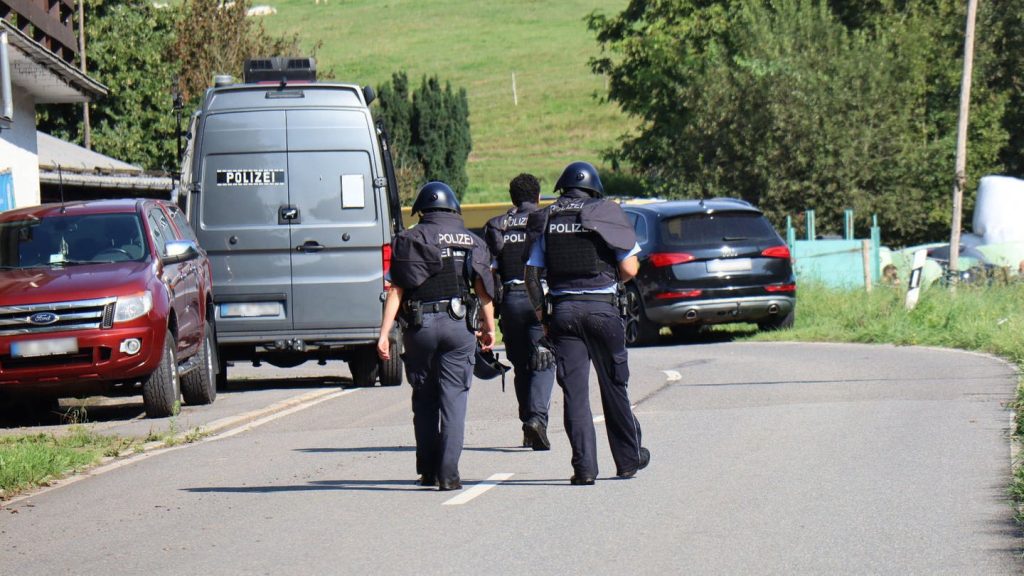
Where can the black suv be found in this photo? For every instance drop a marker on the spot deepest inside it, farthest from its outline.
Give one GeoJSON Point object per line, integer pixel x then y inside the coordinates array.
{"type": "Point", "coordinates": [707, 262]}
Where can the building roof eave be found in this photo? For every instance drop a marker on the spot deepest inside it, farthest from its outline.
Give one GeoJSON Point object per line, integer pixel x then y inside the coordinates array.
{"type": "Point", "coordinates": [44, 75]}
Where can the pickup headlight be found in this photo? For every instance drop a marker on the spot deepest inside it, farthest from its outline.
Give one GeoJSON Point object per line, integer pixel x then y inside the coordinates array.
{"type": "Point", "coordinates": [132, 307]}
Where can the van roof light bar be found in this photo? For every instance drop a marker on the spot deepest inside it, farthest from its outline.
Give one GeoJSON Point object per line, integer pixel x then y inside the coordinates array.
{"type": "Point", "coordinates": [279, 70]}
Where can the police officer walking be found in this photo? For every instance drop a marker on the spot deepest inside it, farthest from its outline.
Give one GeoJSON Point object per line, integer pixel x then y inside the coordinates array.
{"type": "Point", "coordinates": [506, 237]}
{"type": "Point", "coordinates": [440, 285]}
{"type": "Point", "coordinates": [586, 246]}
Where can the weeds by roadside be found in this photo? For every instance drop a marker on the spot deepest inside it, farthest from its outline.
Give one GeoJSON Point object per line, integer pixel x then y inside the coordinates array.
{"type": "Point", "coordinates": [36, 459]}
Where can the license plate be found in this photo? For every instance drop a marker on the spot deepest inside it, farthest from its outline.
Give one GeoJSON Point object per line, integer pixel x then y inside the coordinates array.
{"type": "Point", "coordinates": [730, 265]}
{"type": "Point", "coordinates": [51, 347]}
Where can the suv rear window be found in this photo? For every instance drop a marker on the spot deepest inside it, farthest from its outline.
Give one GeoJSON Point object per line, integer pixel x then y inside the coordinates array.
{"type": "Point", "coordinates": [711, 228]}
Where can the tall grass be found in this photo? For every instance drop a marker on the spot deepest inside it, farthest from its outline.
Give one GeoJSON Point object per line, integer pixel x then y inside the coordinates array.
{"type": "Point", "coordinates": [35, 459]}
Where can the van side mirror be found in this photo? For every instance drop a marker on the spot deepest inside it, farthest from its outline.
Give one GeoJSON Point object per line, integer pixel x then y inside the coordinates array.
{"type": "Point", "coordinates": [369, 94]}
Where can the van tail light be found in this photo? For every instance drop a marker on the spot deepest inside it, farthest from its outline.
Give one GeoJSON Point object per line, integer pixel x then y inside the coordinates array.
{"type": "Point", "coordinates": [674, 295]}
{"type": "Point", "coordinates": [776, 252]}
{"type": "Point", "coordinates": [781, 287]}
{"type": "Point", "coordinates": [662, 259]}
{"type": "Point", "coordinates": [385, 260]}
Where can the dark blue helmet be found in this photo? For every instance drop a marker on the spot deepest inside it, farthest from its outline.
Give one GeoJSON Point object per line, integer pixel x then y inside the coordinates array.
{"type": "Point", "coordinates": [436, 196]}
{"type": "Point", "coordinates": [488, 366]}
{"type": "Point", "coordinates": [581, 175]}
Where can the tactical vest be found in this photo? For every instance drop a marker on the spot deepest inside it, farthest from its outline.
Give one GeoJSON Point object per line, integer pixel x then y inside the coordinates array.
{"type": "Point", "coordinates": [510, 260]}
{"type": "Point", "coordinates": [452, 281]}
{"type": "Point", "coordinates": [576, 258]}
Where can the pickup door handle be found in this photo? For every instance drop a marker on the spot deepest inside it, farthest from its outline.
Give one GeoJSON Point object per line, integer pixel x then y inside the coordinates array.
{"type": "Point", "coordinates": [310, 246]}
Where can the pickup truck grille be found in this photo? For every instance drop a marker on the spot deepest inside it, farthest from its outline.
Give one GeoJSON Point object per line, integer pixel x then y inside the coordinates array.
{"type": "Point", "coordinates": [57, 316]}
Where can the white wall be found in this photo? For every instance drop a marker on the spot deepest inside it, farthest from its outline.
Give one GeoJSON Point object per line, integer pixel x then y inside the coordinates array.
{"type": "Point", "coordinates": [19, 152]}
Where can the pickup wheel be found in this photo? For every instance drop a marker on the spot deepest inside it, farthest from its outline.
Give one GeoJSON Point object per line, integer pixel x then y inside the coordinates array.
{"type": "Point", "coordinates": [364, 367]}
{"type": "Point", "coordinates": [199, 386]}
{"type": "Point", "coordinates": [161, 390]}
{"type": "Point", "coordinates": [391, 370]}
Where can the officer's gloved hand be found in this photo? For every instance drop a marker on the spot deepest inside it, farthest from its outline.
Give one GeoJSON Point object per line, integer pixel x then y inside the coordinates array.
{"type": "Point", "coordinates": [542, 357]}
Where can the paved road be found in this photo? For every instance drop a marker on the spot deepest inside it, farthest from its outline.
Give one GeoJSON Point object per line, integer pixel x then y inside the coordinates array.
{"type": "Point", "coordinates": [767, 459]}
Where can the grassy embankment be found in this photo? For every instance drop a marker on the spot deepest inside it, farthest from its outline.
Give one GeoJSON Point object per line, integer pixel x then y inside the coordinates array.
{"type": "Point", "coordinates": [983, 319]}
{"type": "Point", "coordinates": [478, 45]}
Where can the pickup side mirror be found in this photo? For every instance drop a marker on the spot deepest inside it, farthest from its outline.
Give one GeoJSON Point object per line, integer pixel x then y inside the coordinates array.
{"type": "Point", "coordinates": [180, 251]}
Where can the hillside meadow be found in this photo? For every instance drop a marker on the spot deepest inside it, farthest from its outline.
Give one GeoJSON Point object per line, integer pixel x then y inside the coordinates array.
{"type": "Point", "coordinates": [556, 115]}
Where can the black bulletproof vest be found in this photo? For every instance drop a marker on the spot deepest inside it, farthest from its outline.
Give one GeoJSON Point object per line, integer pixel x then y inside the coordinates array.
{"type": "Point", "coordinates": [510, 261]}
{"type": "Point", "coordinates": [576, 258]}
{"type": "Point", "coordinates": [452, 280]}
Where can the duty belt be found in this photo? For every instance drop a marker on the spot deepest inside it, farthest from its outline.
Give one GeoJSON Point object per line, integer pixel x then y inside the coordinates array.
{"type": "Point", "coordinates": [607, 298]}
{"type": "Point", "coordinates": [437, 306]}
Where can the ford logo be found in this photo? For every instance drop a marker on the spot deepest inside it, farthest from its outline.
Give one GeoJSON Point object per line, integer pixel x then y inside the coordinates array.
{"type": "Point", "coordinates": [43, 318]}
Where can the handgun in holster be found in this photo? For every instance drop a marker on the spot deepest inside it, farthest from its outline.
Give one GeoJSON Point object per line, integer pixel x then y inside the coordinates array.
{"type": "Point", "coordinates": [472, 313]}
{"type": "Point", "coordinates": [622, 298]}
{"type": "Point", "coordinates": [413, 314]}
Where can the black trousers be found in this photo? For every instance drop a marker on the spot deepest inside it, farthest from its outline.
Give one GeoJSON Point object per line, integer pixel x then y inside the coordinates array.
{"type": "Point", "coordinates": [520, 330]}
{"type": "Point", "coordinates": [439, 358]}
{"type": "Point", "coordinates": [584, 332]}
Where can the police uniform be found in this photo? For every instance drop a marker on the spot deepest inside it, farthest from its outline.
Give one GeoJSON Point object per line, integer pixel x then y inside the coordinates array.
{"type": "Point", "coordinates": [579, 241]}
{"type": "Point", "coordinates": [521, 330]}
{"type": "Point", "coordinates": [434, 264]}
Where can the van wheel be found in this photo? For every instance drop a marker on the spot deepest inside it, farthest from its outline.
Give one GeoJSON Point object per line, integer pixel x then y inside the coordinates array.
{"type": "Point", "coordinates": [161, 390]}
{"type": "Point", "coordinates": [364, 367]}
{"type": "Point", "coordinates": [391, 370]}
{"type": "Point", "coordinates": [199, 386]}
{"type": "Point", "coordinates": [639, 330]}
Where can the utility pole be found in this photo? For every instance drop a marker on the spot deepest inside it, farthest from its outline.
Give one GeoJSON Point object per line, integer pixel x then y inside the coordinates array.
{"type": "Point", "coordinates": [86, 129]}
{"type": "Point", "coordinates": [960, 178]}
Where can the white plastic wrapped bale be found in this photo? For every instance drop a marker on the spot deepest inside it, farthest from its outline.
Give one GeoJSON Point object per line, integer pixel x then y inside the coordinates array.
{"type": "Point", "coordinates": [999, 210]}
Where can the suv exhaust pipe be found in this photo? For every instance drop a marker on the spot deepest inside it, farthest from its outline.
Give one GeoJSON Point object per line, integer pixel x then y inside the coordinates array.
{"type": "Point", "coordinates": [691, 314]}
{"type": "Point", "coordinates": [773, 309]}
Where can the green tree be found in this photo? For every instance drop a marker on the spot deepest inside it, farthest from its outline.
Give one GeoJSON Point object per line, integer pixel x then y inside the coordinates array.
{"type": "Point", "coordinates": [790, 106]}
{"type": "Point", "coordinates": [143, 53]}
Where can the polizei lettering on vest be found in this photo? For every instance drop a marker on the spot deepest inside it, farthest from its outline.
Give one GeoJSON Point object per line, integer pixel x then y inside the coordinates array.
{"type": "Point", "coordinates": [516, 221]}
{"type": "Point", "coordinates": [515, 237]}
{"type": "Point", "coordinates": [457, 239]}
{"type": "Point", "coordinates": [566, 228]}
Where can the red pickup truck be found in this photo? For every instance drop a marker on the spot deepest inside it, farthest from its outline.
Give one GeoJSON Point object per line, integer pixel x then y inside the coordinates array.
{"type": "Point", "coordinates": [106, 297]}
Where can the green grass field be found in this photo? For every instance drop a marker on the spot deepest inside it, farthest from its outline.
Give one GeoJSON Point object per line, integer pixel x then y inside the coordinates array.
{"type": "Point", "coordinates": [478, 45]}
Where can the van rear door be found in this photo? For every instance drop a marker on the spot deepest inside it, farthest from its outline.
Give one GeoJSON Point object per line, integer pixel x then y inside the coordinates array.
{"type": "Point", "coordinates": [243, 219]}
{"type": "Point", "coordinates": [339, 232]}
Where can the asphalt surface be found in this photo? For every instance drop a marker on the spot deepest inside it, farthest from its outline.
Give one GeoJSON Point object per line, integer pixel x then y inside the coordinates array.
{"type": "Point", "coordinates": [766, 459]}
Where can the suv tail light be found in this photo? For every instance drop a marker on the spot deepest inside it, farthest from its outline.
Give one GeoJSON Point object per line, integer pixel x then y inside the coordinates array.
{"type": "Point", "coordinates": [780, 288]}
{"type": "Point", "coordinates": [776, 252]}
{"type": "Point", "coordinates": [662, 259]}
{"type": "Point", "coordinates": [671, 295]}
{"type": "Point", "coordinates": [385, 260]}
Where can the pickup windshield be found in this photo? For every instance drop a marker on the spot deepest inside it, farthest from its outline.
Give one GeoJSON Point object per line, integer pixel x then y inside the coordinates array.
{"type": "Point", "coordinates": [71, 239]}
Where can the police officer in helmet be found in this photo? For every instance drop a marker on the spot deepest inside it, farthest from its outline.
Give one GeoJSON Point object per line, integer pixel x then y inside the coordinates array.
{"type": "Point", "coordinates": [506, 237]}
{"type": "Point", "coordinates": [587, 246]}
{"type": "Point", "coordinates": [441, 288]}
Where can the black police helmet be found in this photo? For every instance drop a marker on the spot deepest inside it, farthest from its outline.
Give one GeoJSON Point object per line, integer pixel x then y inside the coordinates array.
{"type": "Point", "coordinates": [487, 366]}
{"type": "Point", "coordinates": [436, 196]}
{"type": "Point", "coordinates": [581, 175]}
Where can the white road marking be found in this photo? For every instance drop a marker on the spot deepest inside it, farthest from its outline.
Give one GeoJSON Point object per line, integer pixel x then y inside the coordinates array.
{"type": "Point", "coordinates": [479, 489]}
{"type": "Point", "coordinates": [599, 419]}
{"type": "Point", "coordinates": [281, 414]}
{"type": "Point", "coordinates": [672, 375]}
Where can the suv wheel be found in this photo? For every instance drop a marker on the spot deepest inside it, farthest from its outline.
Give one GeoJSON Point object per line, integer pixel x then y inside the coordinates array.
{"type": "Point", "coordinates": [639, 330]}
{"type": "Point", "coordinates": [364, 367]}
{"type": "Point", "coordinates": [199, 386]}
{"type": "Point", "coordinates": [391, 370]}
{"type": "Point", "coordinates": [779, 322]}
{"type": "Point", "coordinates": [161, 390]}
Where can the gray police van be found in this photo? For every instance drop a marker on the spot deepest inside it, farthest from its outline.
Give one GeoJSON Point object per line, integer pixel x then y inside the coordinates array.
{"type": "Point", "coordinates": [288, 184]}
